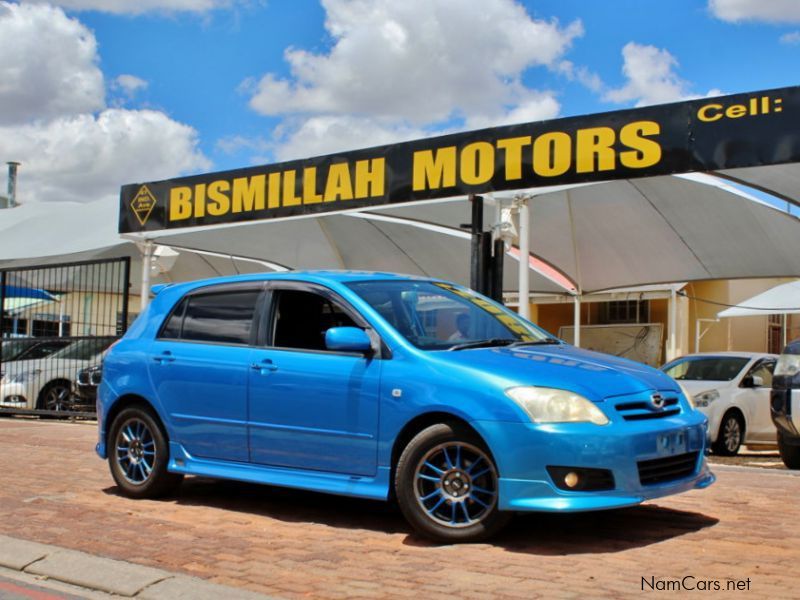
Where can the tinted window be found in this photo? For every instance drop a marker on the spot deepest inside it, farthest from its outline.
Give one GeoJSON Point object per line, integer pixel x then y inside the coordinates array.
{"type": "Point", "coordinates": [172, 328]}
{"type": "Point", "coordinates": [84, 349]}
{"type": "Point", "coordinates": [706, 369]}
{"type": "Point", "coordinates": [224, 317]}
{"type": "Point", "coordinates": [302, 318]}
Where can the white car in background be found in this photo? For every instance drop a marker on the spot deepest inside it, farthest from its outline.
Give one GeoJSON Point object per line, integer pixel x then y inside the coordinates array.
{"type": "Point", "coordinates": [732, 389]}
{"type": "Point", "coordinates": [46, 383]}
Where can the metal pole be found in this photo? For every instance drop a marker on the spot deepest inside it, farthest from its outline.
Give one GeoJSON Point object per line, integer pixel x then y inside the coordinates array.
{"type": "Point", "coordinates": [2, 313]}
{"type": "Point", "coordinates": [577, 321]}
{"type": "Point", "coordinates": [784, 328]}
{"type": "Point", "coordinates": [673, 316]}
{"type": "Point", "coordinates": [475, 247]}
{"type": "Point", "coordinates": [524, 258]}
{"type": "Point", "coordinates": [12, 183]}
{"type": "Point", "coordinates": [147, 259]}
{"type": "Point", "coordinates": [497, 270]}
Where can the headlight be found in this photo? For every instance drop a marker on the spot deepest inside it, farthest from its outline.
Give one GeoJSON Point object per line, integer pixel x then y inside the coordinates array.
{"type": "Point", "coordinates": [23, 377]}
{"type": "Point", "coordinates": [703, 399]}
{"type": "Point", "coordinates": [788, 364]}
{"type": "Point", "coordinates": [549, 405]}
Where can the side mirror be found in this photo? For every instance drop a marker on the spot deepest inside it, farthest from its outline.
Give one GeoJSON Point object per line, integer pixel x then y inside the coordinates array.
{"type": "Point", "coordinates": [758, 381]}
{"type": "Point", "coordinates": [752, 381]}
{"type": "Point", "coordinates": [347, 339]}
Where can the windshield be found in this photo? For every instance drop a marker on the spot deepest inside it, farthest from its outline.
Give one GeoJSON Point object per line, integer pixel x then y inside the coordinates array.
{"type": "Point", "coordinates": [438, 316]}
{"type": "Point", "coordinates": [715, 368]}
{"type": "Point", "coordinates": [84, 349]}
{"type": "Point", "coordinates": [12, 349]}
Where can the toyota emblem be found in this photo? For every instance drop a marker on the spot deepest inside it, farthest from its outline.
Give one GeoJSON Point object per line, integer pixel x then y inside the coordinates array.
{"type": "Point", "coordinates": [657, 400]}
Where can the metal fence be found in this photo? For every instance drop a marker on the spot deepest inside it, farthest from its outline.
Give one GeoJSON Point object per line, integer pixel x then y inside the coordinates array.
{"type": "Point", "coordinates": [55, 324]}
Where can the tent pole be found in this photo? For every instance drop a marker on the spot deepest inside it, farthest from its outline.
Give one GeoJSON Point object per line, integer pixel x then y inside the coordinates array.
{"type": "Point", "coordinates": [147, 258]}
{"type": "Point", "coordinates": [577, 320]}
{"type": "Point", "coordinates": [673, 317]}
{"type": "Point", "coordinates": [784, 330]}
{"type": "Point", "coordinates": [524, 258]}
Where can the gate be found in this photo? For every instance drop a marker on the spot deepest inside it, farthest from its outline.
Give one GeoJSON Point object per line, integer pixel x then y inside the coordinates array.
{"type": "Point", "coordinates": [55, 324]}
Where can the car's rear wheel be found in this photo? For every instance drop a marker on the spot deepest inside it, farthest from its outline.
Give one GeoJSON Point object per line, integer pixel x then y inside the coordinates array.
{"type": "Point", "coordinates": [731, 434]}
{"type": "Point", "coordinates": [138, 455]}
{"type": "Point", "coordinates": [790, 455]}
{"type": "Point", "coordinates": [55, 396]}
{"type": "Point", "coordinates": [447, 485]}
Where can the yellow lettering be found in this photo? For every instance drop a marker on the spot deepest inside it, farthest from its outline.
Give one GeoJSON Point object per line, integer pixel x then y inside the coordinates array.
{"type": "Point", "coordinates": [338, 186]}
{"type": "Point", "coordinates": [370, 177]}
{"type": "Point", "coordinates": [218, 203]}
{"type": "Point", "coordinates": [552, 154]}
{"type": "Point", "coordinates": [434, 169]}
{"type": "Point", "coordinates": [710, 112]}
{"type": "Point", "coordinates": [643, 152]}
{"type": "Point", "coordinates": [513, 155]}
{"type": "Point", "coordinates": [736, 110]}
{"type": "Point", "coordinates": [200, 200]}
{"type": "Point", "coordinates": [477, 163]}
{"type": "Point", "coordinates": [248, 193]}
{"type": "Point", "coordinates": [180, 203]}
{"type": "Point", "coordinates": [290, 188]}
{"type": "Point", "coordinates": [274, 190]}
{"type": "Point", "coordinates": [595, 150]}
{"type": "Point", "coordinates": [310, 195]}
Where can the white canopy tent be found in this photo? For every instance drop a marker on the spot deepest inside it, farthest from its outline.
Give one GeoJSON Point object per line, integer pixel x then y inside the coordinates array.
{"type": "Point", "coordinates": [783, 300]}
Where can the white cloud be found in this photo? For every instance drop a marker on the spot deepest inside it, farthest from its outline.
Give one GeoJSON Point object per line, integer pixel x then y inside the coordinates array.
{"type": "Point", "coordinates": [136, 7]}
{"type": "Point", "coordinates": [130, 84]}
{"type": "Point", "coordinates": [651, 78]}
{"type": "Point", "coordinates": [86, 157]}
{"type": "Point", "coordinates": [791, 39]}
{"type": "Point", "coordinates": [54, 119]}
{"type": "Point", "coordinates": [770, 11]}
{"type": "Point", "coordinates": [417, 66]}
{"type": "Point", "coordinates": [49, 65]}
{"type": "Point", "coordinates": [421, 60]}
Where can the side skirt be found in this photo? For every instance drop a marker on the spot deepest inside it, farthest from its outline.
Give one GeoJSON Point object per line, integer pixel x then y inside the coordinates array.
{"type": "Point", "coordinates": [374, 488]}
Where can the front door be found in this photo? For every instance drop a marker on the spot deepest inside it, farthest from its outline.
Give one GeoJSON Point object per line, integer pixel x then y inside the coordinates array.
{"type": "Point", "coordinates": [760, 421]}
{"type": "Point", "coordinates": [311, 408]}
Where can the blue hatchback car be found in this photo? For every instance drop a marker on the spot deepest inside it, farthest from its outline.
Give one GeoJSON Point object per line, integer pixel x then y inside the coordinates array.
{"type": "Point", "coordinates": [385, 386]}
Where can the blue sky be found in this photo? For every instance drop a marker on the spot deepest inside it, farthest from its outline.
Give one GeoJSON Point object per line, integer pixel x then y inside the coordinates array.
{"type": "Point", "coordinates": [97, 93]}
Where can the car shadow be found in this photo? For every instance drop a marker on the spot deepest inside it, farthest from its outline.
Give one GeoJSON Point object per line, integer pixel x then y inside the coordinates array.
{"type": "Point", "coordinates": [534, 533]}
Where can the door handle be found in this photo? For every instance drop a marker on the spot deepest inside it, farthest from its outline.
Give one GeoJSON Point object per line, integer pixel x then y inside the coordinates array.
{"type": "Point", "coordinates": [265, 367]}
{"type": "Point", "coordinates": [164, 357]}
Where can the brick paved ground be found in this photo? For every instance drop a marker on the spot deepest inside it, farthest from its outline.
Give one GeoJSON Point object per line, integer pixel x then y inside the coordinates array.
{"type": "Point", "coordinates": [53, 489]}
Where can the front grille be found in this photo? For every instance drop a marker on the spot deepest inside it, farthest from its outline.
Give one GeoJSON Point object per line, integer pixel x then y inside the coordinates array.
{"type": "Point", "coordinates": [640, 410]}
{"type": "Point", "coordinates": [670, 468]}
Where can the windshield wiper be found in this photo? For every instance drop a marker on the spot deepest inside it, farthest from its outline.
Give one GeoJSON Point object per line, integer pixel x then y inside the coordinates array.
{"type": "Point", "coordinates": [482, 344]}
{"type": "Point", "coordinates": [544, 342]}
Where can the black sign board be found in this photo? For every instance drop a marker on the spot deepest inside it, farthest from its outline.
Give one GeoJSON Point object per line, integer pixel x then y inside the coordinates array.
{"type": "Point", "coordinates": [742, 130]}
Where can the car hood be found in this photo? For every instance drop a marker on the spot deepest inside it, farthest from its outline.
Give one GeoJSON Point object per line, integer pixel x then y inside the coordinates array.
{"type": "Point", "coordinates": [695, 387]}
{"type": "Point", "coordinates": [592, 374]}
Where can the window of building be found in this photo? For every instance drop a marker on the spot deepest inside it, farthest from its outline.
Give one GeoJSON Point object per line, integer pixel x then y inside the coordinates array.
{"type": "Point", "coordinates": [50, 325]}
{"type": "Point", "coordinates": [775, 334]}
{"type": "Point", "coordinates": [624, 311]}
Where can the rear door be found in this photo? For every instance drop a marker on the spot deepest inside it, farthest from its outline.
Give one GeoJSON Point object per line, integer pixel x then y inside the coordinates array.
{"type": "Point", "coordinates": [199, 367]}
{"type": "Point", "coordinates": [311, 408]}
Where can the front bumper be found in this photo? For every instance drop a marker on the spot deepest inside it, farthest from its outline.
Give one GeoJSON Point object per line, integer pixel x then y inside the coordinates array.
{"type": "Point", "coordinates": [523, 451]}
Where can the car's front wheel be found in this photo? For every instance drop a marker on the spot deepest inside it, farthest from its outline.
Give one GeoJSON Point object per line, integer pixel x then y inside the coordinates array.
{"type": "Point", "coordinates": [731, 434]}
{"type": "Point", "coordinates": [790, 455]}
{"type": "Point", "coordinates": [447, 485]}
{"type": "Point", "coordinates": [138, 455]}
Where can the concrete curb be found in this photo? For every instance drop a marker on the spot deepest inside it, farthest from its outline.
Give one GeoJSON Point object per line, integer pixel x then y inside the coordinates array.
{"type": "Point", "coordinates": [110, 576]}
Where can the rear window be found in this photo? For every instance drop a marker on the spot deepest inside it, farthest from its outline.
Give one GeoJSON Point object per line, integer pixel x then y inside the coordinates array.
{"type": "Point", "coordinates": [221, 317]}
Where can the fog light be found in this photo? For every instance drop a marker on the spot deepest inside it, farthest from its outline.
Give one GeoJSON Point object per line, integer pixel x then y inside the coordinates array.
{"type": "Point", "coordinates": [571, 479]}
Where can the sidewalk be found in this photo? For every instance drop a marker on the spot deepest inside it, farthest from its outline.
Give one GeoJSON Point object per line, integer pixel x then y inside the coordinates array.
{"type": "Point", "coordinates": [96, 574]}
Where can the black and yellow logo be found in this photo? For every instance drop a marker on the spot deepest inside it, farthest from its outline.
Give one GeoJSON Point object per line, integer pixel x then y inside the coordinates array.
{"type": "Point", "coordinates": [143, 204]}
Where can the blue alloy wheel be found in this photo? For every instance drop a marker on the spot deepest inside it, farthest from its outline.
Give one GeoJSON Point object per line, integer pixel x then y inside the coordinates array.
{"type": "Point", "coordinates": [456, 484]}
{"type": "Point", "coordinates": [136, 451]}
{"type": "Point", "coordinates": [139, 458]}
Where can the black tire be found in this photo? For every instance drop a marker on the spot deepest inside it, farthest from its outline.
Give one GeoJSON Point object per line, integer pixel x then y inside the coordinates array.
{"type": "Point", "coordinates": [138, 454]}
{"type": "Point", "coordinates": [731, 434]}
{"type": "Point", "coordinates": [474, 514]}
{"type": "Point", "coordinates": [55, 396]}
{"type": "Point", "coordinates": [790, 455]}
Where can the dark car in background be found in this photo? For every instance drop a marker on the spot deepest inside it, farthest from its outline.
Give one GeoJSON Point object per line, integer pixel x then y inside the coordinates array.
{"type": "Point", "coordinates": [785, 404]}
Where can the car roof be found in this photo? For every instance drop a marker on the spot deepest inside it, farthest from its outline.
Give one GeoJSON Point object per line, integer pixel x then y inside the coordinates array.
{"type": "Point", "coordinates": [314, 276]}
